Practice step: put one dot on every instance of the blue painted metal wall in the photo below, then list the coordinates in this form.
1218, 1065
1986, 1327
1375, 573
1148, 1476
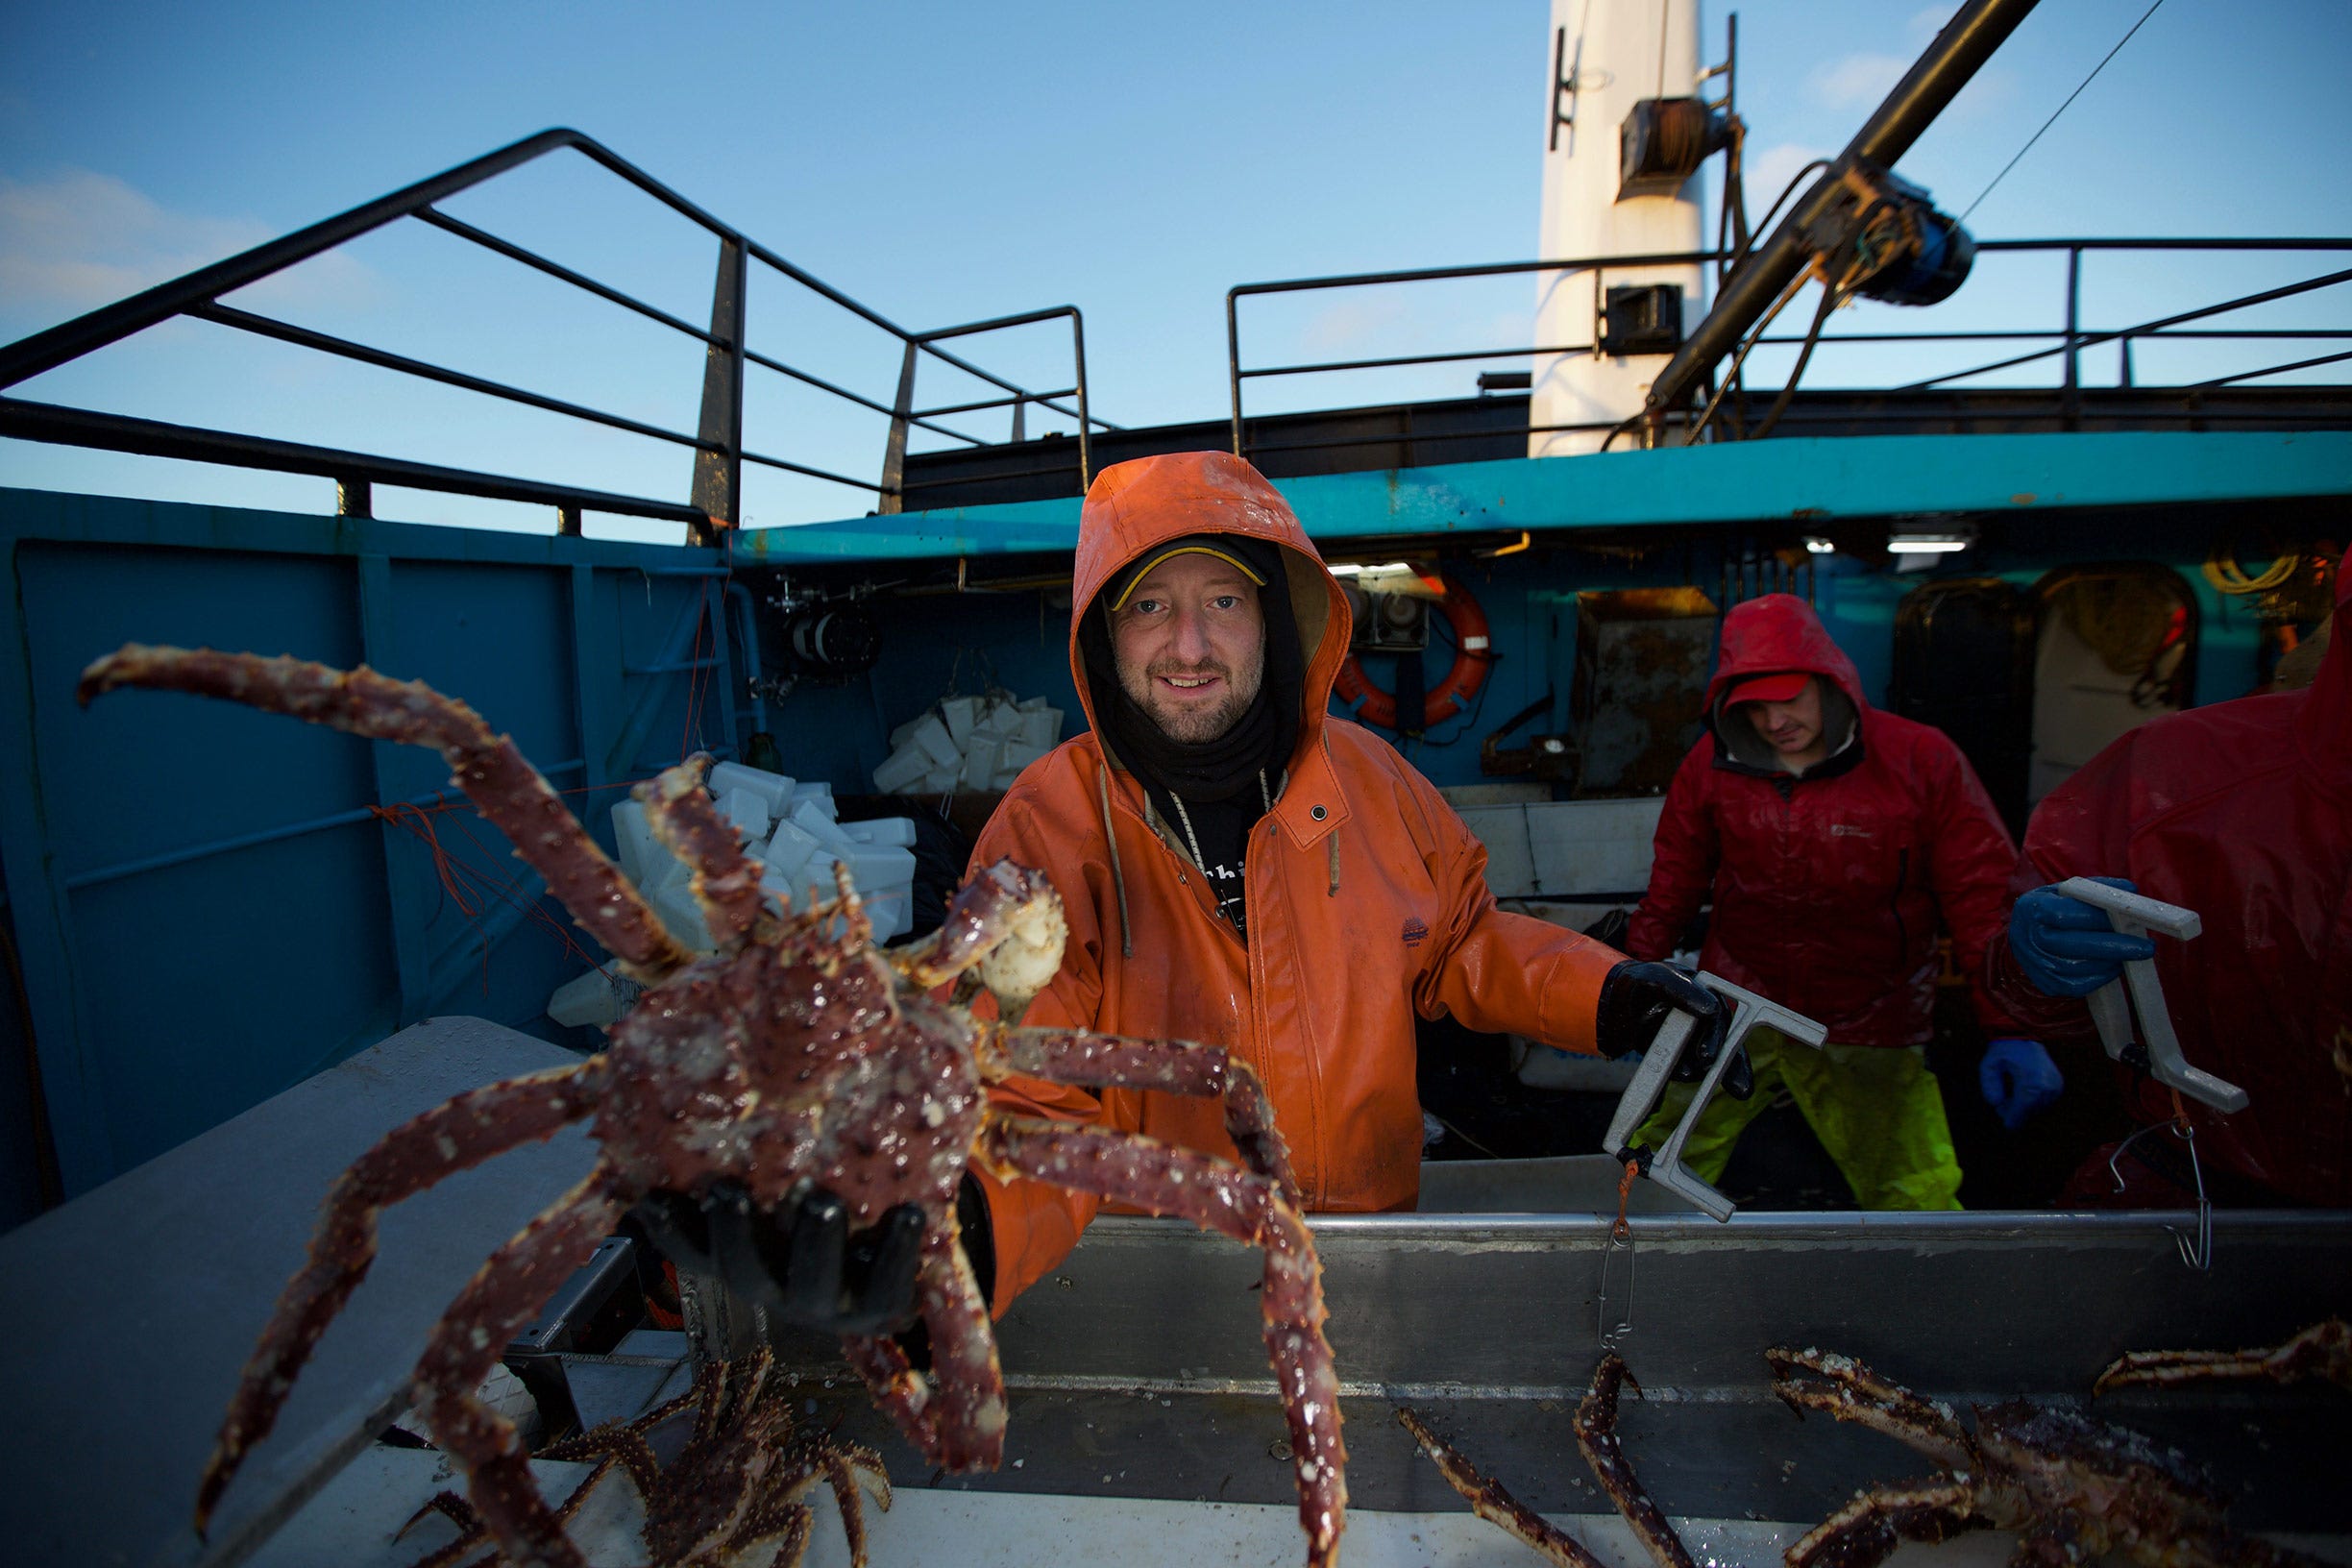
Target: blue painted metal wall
208, 911
205, 908
2069, 498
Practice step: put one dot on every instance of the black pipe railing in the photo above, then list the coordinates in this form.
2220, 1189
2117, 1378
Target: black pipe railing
2066, 341
1963, 45
197, 295
1598, 266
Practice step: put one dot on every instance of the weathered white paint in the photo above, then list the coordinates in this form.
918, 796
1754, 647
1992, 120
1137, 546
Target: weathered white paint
1618, 52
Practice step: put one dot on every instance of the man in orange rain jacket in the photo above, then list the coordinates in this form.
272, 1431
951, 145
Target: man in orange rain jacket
1243, 870
1833, 840
2243, 812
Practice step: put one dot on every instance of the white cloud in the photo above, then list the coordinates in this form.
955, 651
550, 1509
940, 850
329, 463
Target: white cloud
1860, 78
82, 239
1771, 170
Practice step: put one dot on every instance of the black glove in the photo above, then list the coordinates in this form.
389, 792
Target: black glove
1635, 998
800, 1260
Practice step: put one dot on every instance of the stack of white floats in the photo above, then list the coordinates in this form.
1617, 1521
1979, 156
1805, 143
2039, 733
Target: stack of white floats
968, 743
790, 828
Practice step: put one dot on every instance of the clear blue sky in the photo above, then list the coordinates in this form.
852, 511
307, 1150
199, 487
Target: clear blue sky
945, 163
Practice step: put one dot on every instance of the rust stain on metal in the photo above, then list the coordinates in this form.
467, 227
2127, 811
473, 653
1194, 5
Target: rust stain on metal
2023, 497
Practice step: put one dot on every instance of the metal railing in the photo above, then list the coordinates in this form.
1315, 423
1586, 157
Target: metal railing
720, 453
1598, 266
2067, 342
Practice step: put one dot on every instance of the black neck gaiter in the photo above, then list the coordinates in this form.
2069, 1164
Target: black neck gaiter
1212, 794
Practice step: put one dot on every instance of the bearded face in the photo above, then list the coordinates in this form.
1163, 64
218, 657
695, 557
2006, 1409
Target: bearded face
1190, 643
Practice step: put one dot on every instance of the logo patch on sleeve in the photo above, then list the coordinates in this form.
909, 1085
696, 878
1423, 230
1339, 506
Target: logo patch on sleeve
1415, 931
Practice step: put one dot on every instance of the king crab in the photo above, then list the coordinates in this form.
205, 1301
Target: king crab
797, 1051
2073, 1487
1596, 1435
736, 1484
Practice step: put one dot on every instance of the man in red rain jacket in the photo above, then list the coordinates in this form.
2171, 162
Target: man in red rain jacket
2243, 812
1834, 840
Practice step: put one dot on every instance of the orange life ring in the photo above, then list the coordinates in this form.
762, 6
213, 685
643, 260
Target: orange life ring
1473, 658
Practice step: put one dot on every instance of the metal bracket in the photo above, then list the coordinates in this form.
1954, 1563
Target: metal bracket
1563, 84
1641, 1096
2152, 1047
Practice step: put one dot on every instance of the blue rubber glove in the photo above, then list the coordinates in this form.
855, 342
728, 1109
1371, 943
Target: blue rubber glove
2069, 948
2017, 1079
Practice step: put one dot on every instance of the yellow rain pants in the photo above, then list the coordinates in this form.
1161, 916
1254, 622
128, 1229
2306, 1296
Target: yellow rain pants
1875, 1109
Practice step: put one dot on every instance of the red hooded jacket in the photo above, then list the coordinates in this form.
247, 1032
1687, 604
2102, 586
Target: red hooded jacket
1368, 907
1827, 885
2243, 812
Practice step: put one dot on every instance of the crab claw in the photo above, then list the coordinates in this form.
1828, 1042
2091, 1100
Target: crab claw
1006, 930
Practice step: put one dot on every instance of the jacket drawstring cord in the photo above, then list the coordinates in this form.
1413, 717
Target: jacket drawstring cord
1119, 876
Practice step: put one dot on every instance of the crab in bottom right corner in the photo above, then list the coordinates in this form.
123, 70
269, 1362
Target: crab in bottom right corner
2073, 1488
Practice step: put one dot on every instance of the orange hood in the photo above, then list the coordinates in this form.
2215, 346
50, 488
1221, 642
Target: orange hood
1134, 507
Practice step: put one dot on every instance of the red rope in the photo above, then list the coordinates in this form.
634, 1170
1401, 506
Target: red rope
1625, 1193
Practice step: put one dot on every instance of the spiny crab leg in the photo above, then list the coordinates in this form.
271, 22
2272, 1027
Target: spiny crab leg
447, 1138
1868, 1528
1086, 1060
725, 881
957, 1416
2324, 1350
1249, 1206
496, 1305
1842, 1388
1490, 1501
488, 768
1596, 1435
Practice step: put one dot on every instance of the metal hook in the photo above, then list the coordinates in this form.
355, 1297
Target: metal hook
2197, 1254
1621, 1239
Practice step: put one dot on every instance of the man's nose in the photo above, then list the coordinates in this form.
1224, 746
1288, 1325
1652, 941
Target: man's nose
1190, 636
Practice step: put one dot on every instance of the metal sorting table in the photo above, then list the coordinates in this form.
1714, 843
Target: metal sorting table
1143, 1426
135, 1306
1137, 1369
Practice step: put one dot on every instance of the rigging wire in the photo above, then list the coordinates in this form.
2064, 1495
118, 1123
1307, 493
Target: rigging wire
1763, 225
1831, 299
2062, 108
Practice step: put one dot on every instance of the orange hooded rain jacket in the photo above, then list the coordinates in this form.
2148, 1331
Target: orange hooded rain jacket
1367, 906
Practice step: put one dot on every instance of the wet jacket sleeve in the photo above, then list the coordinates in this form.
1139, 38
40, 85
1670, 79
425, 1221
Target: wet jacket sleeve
1968, 862
2081, 828
1497, 971
1683, 860
1036, 1225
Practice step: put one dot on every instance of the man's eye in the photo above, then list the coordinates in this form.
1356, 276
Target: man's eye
1226, 602
1144, 607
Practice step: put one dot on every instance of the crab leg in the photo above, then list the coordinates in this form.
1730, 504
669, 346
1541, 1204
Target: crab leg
1866, 1531
847, 1465
495, 1306
957, 1417
1085, 1060
493, 775
443, 1140
2324, 1350
725, 882
1490, 1502
1596, 1435
1842, 1388
789, 1523
1248, 1207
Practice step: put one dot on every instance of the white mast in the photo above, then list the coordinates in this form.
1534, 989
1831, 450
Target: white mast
1613, 53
